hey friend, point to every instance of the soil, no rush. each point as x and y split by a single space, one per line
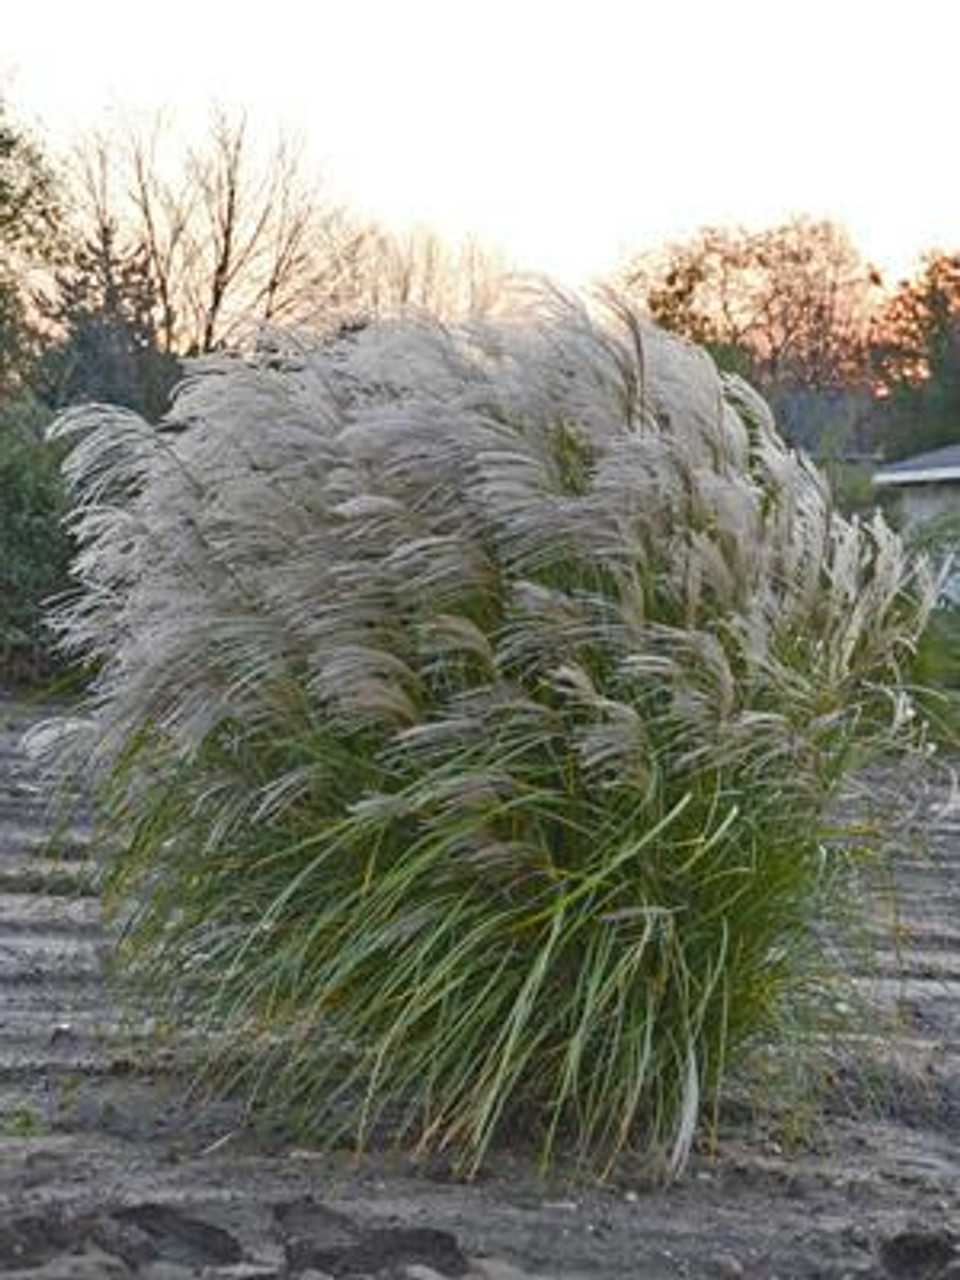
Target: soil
108 1168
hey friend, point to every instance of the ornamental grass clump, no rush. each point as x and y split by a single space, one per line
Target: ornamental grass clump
468 700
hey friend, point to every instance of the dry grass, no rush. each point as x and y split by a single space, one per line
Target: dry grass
468 703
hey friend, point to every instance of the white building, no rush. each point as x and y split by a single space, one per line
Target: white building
927 489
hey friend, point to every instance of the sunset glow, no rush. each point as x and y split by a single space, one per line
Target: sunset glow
567 136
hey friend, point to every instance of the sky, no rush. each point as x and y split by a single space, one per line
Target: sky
567 132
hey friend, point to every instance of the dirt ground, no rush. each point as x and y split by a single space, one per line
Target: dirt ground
108 1170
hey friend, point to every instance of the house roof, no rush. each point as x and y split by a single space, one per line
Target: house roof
923 468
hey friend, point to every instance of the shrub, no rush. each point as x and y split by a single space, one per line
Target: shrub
936 674
469 700
34 548
935 669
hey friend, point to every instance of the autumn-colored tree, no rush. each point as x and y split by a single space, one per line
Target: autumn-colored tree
787 305
915 358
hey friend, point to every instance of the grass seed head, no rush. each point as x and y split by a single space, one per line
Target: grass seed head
469 698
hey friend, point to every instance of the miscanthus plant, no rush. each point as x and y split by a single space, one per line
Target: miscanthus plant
468 703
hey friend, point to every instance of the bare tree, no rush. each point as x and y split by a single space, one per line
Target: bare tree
250 244
161 215
386 273
236 236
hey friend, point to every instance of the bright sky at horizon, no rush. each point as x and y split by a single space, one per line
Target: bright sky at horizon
566 132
